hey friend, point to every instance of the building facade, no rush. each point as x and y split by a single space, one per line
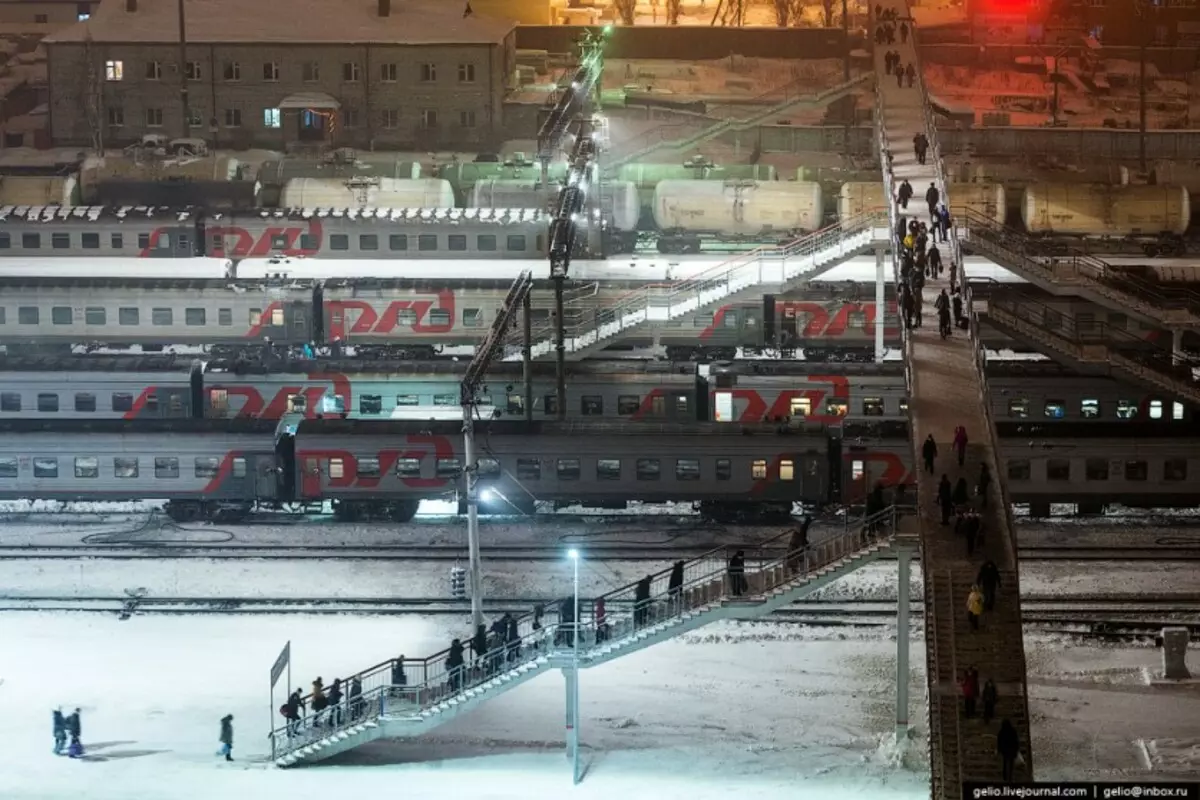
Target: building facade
390 94
53 13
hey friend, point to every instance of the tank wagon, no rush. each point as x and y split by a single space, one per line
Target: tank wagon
619 204
985 199
687 212
1158 217
463 176
368 192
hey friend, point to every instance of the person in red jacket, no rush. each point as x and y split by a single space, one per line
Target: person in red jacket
970 691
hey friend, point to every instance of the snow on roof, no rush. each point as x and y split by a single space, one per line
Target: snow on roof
88 213
497 216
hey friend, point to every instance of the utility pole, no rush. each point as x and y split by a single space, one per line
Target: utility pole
1142 104
183 76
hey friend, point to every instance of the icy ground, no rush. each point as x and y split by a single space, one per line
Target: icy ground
755 710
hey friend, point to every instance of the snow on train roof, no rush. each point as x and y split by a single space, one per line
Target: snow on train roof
91 213
116 268
494 216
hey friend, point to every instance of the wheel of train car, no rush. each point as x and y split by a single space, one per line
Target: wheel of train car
1151 249
403 510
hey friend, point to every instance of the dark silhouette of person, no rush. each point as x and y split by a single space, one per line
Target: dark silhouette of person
737 573
641 602
989 581
675 584
1008 745
985 482
989 701
943 499
454 665
929 453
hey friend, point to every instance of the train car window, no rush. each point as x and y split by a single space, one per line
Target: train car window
339 241
27 315
837 407
1089 408
758 469
567 469
724 469
398 241
255 317
1126 409
1019 469
2 320
427 241
1176 408
472 317
448 468
439 316
60 315
628 404
702 320
408 467
514 404
5 241
162 316
658 406
800 406
279 241
368 241
515 243
47 403
95 315
367 468
456 241
128 316
857 470
87 467
90 241
297 404
45 467
60 241
143 241
1055 409
729 319
370 404
85 402
1156 409
31 241
550 404
124 467
687 469
10 401
1175 469
608 469
485 242
8 468
1058 469
529 469
903 405
309 242
591 405
445 399
408 400
166 467
787 470
151 403
299 321
872 406
239 468
681 405
483 400
337 468
194 316
1018 407
175 405
1136 470
648 469
406 317
277 317
224 317
487 467
122 401
184 242
1095 469
117 241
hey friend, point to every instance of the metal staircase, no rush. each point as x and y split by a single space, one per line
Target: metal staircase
1077 274
1096 347
818 100
766 269
433 693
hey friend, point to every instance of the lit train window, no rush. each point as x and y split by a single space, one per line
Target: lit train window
239 468
277 316
837 407
649 469
1019 469
10 401
723 407
297 404
1058 469
628 404
45 468
337 468
256 317
1176 408
872 406
529 469
8 468
724 469
681 404
367 468
125 467
448 468
207 466
1055 409
166 467
687 469
903 405
1136 470
758 469
87 467
514 404
1089 408
591 405
1019 408
1156 409
408 467
1175 469
407 400
1126 409
787 470
1096 469
800 406
445 399
608 469
857 470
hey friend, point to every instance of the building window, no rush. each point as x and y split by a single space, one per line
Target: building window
310 71
192 71
428 73
270 71
390 118
387 73
116 116
196 119
428 118
233 118
233 71
466 73
466 119
350 72
272 118
350 118
154 118
114 70
154 70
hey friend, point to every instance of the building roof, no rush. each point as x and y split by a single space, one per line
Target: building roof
288 22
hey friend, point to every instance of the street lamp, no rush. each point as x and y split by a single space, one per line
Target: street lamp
573 554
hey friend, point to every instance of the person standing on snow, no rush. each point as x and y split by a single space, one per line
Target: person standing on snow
75 730
60 731
226 737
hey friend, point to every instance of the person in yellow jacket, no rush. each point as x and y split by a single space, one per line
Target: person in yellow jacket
909 242
974 607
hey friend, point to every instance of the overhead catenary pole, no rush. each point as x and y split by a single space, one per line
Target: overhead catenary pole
880 306
185 126
527 353
904 557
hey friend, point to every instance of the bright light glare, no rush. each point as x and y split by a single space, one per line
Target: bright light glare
573 553
488 495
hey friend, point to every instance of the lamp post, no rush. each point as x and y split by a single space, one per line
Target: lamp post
573 679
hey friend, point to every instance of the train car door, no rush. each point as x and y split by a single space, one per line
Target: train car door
176 241
750 332
813 479
263 479
298 323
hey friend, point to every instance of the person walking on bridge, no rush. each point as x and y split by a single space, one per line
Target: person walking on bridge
943 499
989 701
985 483
910 75
942 304
903 33
960 442
932 195
970 691
989 580
974 607
929 453
1008 745
737 573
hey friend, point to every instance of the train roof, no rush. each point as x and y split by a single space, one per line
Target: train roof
754 368
366 427
1126 431
32 270
453 368
255 427
50 214
414 216
125 365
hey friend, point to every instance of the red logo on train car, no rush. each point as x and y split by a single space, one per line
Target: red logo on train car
314 462
256 407
282 240
785 405
223 471
371 322
822 323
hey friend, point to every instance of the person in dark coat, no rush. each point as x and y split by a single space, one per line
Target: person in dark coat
641 602
399 678
910 75
60 731
354 698
973 525
957 303
797 544
675 584
512 638
899 78
942 304
335 703
929 453
935 260
904 34
985 482
970 691
989 581
989 701
961 494
737 573
943 499
932 195
904 193
1008 745
960 444
318 700
454 665
227 737
479 646
601 620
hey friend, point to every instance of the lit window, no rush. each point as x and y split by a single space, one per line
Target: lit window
758 469
272 118
1126 409
336 468
1177 411
857 470
787 470
114 70
800 406
1055 409
1156 409
1089 408
1018 408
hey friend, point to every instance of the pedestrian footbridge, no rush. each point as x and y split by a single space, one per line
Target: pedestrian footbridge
434 694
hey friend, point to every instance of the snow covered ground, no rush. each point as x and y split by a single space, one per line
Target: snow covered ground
754 710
